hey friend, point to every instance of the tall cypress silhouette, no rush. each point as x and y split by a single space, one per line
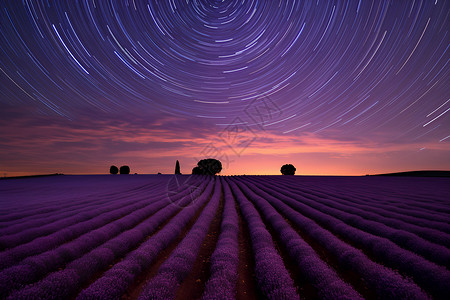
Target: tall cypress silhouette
177 168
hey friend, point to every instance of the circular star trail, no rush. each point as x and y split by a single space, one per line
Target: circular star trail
350 66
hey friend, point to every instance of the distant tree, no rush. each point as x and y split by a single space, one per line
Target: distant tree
124 170
177 168
288 169
210 166
113 170
197 171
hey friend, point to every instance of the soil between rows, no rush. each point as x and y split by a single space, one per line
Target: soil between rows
139 283
193 285
246 285
347 274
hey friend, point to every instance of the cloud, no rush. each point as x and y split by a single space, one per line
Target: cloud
152 142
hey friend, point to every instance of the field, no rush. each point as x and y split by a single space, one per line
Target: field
235 237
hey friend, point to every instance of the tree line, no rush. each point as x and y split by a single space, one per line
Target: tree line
209 166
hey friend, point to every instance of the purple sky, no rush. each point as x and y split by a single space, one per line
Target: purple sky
334 87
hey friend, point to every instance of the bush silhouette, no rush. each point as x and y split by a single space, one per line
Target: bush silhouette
209 166
197 171
177 168
124 170
113 170
288 169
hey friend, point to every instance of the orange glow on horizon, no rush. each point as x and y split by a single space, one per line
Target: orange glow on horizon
59 148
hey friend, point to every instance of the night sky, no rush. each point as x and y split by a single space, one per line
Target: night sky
333 87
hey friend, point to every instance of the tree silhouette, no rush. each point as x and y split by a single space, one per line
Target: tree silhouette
113 170
177 168
124 170
288 169
210 166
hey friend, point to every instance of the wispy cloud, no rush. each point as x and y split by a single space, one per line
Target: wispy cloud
43 144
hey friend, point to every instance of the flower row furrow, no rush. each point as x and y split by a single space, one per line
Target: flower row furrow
177 267
273 280
225 259
115 281
382 249
116 237
386 283
436 253
327 282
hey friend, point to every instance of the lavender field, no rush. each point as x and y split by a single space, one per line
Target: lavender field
236 237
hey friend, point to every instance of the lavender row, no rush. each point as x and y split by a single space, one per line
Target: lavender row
116 237
47 207
415 190
389 189
225 259
379 215
407 203
424 193
39 245
433 252
430 276
368 212
178 266
386 283
392 220
272 278
87 205
114 282
35 267
73 226
400 205
45 210
327 282
32 222
415 216
75 232
80 271
410 200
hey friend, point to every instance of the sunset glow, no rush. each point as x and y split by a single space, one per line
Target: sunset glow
334 88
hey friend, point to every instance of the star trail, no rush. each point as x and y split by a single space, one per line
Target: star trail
368 74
